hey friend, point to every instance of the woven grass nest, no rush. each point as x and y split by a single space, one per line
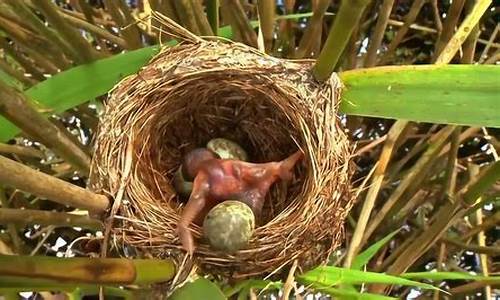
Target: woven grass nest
203 89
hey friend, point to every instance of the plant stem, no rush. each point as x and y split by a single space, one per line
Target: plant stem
449 25
378 33
31 216
201 18
16 108
87 270
26 179
19 76
394 133
96 30
213 15
130 33
239 21
267 10
20 150
463 32
418 170
347 18
24 62
313 29
85 52
409 19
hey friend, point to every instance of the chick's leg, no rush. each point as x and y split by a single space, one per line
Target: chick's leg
194 207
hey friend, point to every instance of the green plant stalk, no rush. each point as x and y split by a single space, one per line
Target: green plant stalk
201 18
11 228
87 270
26 179
16 108
463 31
24 62
481 183
213 15
30 216
378 33
409 20
19 76
32 44
187 16
346 20
239 21
85 52
444 218
313 29
449 26
129 34
419 169
96 30
267 10
24 11
395 132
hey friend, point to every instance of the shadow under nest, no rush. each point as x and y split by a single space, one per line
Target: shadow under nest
199 90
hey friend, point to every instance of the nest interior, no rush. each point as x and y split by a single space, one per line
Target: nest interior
200 90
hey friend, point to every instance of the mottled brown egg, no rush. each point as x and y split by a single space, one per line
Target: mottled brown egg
227 149
229 225
182 186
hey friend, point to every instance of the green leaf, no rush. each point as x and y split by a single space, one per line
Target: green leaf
332 276
200 289
350 295
251 283
438 276
452 94
364 257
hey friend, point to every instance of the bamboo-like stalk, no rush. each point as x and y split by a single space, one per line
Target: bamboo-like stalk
469 46
87 270
11 228
19 76
437 17
186 16
32 45
417 171
239 21
85 52
487 223
409 19
394 133
267 10
448 26
444 218
313 29
347 18
213 15
201 18
96 30
37 183
30 216
378 33
16 108
463 31
490 250
20 150
24 62
25 12
130 33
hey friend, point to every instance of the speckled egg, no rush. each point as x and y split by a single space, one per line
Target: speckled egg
182 186
227 149
229 225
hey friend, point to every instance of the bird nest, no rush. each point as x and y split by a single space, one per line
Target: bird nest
203 89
